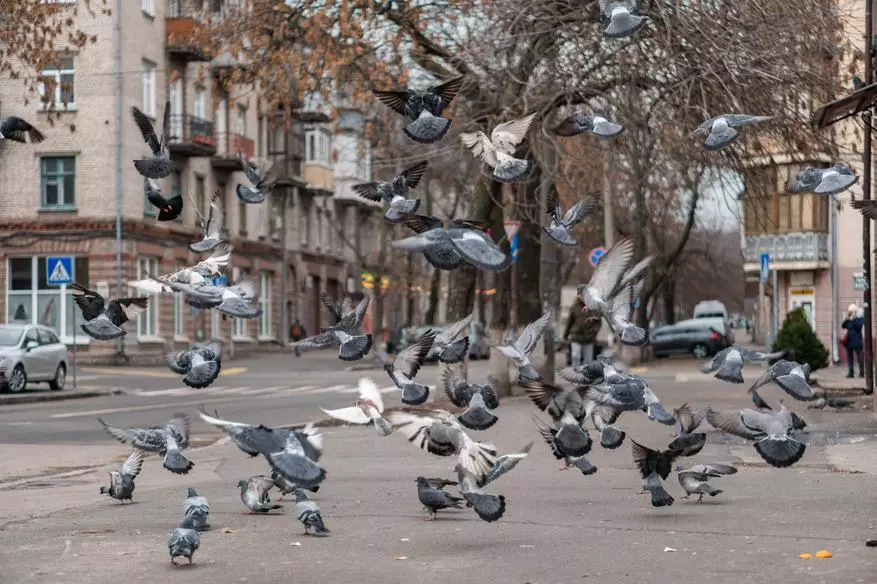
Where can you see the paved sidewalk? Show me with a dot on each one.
(834, 379)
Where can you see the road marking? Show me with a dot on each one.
(682, 378)
(150, 373)
(638, 370)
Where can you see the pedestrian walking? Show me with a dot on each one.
(581, 332)
(852, 338)
(297, 333)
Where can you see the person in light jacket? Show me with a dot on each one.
(853, 324)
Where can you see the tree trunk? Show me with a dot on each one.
(409, 297)
(526, 270)
(499, 322)
(670, 301)
(435, 281)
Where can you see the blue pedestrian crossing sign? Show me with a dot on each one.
(59, 270)
(765, 267)
(219, 280)
(595, 255)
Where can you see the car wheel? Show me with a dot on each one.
(700, 351)
(17, 380)
(57, 384)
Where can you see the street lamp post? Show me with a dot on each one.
(866, 195)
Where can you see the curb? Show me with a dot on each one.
(838, 389)
(32, 398)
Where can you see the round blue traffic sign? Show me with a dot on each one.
(595, 254)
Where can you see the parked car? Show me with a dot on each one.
(700, 337)
(31, 354)
(710, 309)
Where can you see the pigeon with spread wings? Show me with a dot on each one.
(562, 223)
(212, 225)
(262, 182)
(168, 209)
(17, 130)
(597, 293)
(405, 366)
(423, 108)
(446, 348)
(103, 320)
(196, 274)
(200, 365)
(654, 466)
(368, 408)
(519, 351)
(579, 123)
(728, 363)
(498, 151)
(478, 400)
(122, 481)
(346, 335)
(395, 192)
(465, 238)
(720, 131)
(168, 441)
(442, 256)
(823, 181)
(772, 432)
(159, 165)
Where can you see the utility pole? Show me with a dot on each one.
(549, 266)
(117, 65)
(608, 213)
(866, 195)
(284, 266)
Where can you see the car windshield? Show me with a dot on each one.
(9, 337)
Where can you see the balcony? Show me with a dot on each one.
(811, 247)
(191, 136)
(179, 34)
(287, 170)
(230, 147)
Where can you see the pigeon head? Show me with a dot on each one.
(388, 367)
(242, 485)
(421, 482)
(300, 495)
(104, 491)
(364, 404)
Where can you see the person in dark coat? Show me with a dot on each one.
(581, 332)
(853, 341)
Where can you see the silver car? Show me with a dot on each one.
(31, 353)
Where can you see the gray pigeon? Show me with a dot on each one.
(168, 441)
(772, 432)
(446, 348)
(583, 375)
(478, 400)
(346, 335)
(504, 464)
(603, 416)
(395, 192)
(464, 238)
(433, 498)
(184, 541)
(619, 318)
(262, 183)
(694, 479)
(687, 420)
(629, 393)
(498, 151)
(728, 363)
(423, 108)
(286, 487)
(720, 131)
(309, 514)
(791, 377)
(520, 350)
(442, 256)
(159, 165)
(17, 130)
(405, 366)
(368, 408)
(579, 123)
(554, 400)
(561, 450)
(833, 402)
(200, 365)
(597, 294)
(168, 209)
(235, 301)
(254, 494)
(823, 181)
(654, 466)
(489, 507)
(196, 507)
(620, 19)
(122, 480)
(212, 226)
(104, 320)
(561, 224)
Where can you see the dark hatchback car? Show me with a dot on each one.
(700, 337)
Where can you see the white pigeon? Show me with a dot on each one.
(498, 150)
(369, 407)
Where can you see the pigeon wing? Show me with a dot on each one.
(179, 362)
(506, 136)
(579, 211)
(572, 125)
(396, 100)
(541, 393)
(456, 388)
(448, 90)
(179, 424)
(260, 484)
(89, 302)
(612, 267)
(333, 307)
(368, 389)
(122, 310)
(451, 332)
(413, 174)
(151, 439)
(146, 129)
(730, 422)
(351, 415)
(409, 359)
(421, 223)
(526, 343)
(480, 145)
(866, 208)
(368, 191)
(132, 464)
(269, 178)
(215, 218)
(736, 120)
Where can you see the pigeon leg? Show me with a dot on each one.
(173, 563)
(190, 560)
(431, 516)
(700, 498)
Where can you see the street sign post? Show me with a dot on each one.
(59, 270)
(595, 254)
(511, 228)
(220, 280)
(859, 282)
(765, 267)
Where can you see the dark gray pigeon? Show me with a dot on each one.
(168, 441)
(346, 335)
(728, 363)
(478, 400)
(104, 320)
(561, 224)
(17, 130)
(791, 377)
(405, 366)
(184, 541)
(423, 108)
(823, 181)
(620, 19)
(694, 480)
(443, 256)
(562, 452)
(554, 400)
(168, 209)
(654, 466)
(489, 507)
(197, 507)
(519, 351)
(309, 514)
(464, 238)
(212, 225)
(579, 123)
(159, 165)
(569, 436)
(837, 403)
(772, 432)
(200, 365)
(721, 132)
(395, 192)
(433, 498)
(262, 183)
(498, 151)
(254, 494)
(286, 487)
(122, 480)
(446, 348)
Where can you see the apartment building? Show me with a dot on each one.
(60, 195)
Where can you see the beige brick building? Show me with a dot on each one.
(59, 196)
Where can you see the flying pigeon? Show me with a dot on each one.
(620, 19)
(423, 108)
(569, 441)
(197, 507)
(603, 416)
(583, 375)
(597, 294)
(212, 226)
(579, 123)
(292, 453)
(498, 151)
(823, 181)
(122, 480)
(309, 514)
(687, 420)
(336, 309)
(488, 507)
(866, 208)
(694, 479)
(196, 274)
(446, 348)
(103, 320)
(478, 400)
(728, 363)
(833, 402)
(159, 165)
(199, 365)
(368, 408)
(439, 433)
(466, 238)
(720, 131)
(636, 277)
(433, 498)
(395, 192)
(168, 441)
(184, 541)
(286, 487)
(16, 129)
(346, 335)
(520, 350)
(168, 209)
(561, 224)
(262, 183)
(791, 377)
(254, 494)
(772, 432)
(630, 393)
(405, 366)
(504, 464)
(619, 319)
(235, 301)
(554, 400)
(654, 466)
(442, 256)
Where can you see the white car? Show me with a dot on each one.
(31, 353)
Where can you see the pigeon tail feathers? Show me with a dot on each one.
(397, 211)
(102, 329)
(488, 507)
(660, 497)
(355, 348)
(414, 394)
(585, 465)
(154, 167)
(634, 336)
(248, 195)
(511, 169)
(427, 129)
(477, 418)
(175, 462)
(454, 352)
(780, 452)
(611, 437)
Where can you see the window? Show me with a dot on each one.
(304, 223)
(147, 77)
(148, 7)
(318, 232)
(241, 121)
(31, 300)
(318, 146)
(58, 182)
(179, 313)
(767, 211)
(267, 281)
(200, 199)
(240, 324)
(200, 103)
(147, 322)
(242, 219)
(174, 10)
(177, 189)
(57, 87)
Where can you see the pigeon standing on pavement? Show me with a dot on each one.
(773, 433)
(728, 363)
(561, 224)
(833, 402)
(254, 494)
(520, 350)
(368, 408)
(478, 400)
(654, 466)
(212, 225)
(184, 541)
(346, 335)
(196, 507)
(489, 507)
(309, 514)
(694, 480)
(18, 130)
(168, 441)
(433, 498)
(498, 151)
(579, 123)
(791, 377)
(720, 131)
(122, 480)
(405, 366)
(395, 192)
(262, 183)
(159, 165)
(103, 320)
(423, 108)
(446, 348)
(199, 365)
(168, 209)
(620, 19)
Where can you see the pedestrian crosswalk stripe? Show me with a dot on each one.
(345, 389)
